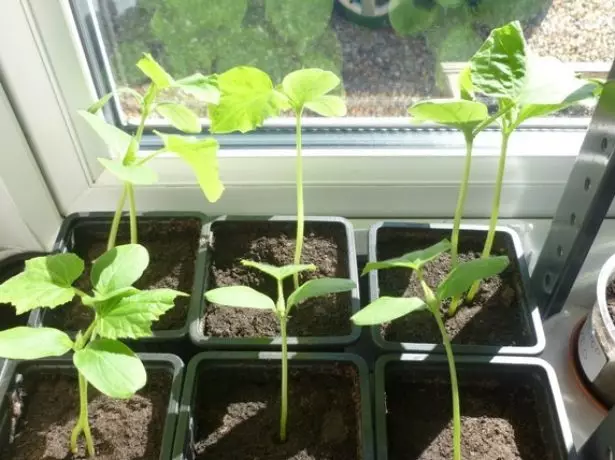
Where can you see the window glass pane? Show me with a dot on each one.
(388, 53)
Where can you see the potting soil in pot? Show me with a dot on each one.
(9, 319)
(495, 317)
(273, 242)
(46, 408)
(237, 414)
(610, 299)
(172, 245)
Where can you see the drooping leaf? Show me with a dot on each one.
(328, 106)
(279, 273)
(111, 367)
(119, 268)
(203, 87)
(45, 282)
(33, 343)
(155, 72)
(461, 114)
(319, 287)
(387, 309)
(202, 157)
(180, 116)
(413, 260)
(131, 315)
(116, 139)
(239, 296)
(134, 173)
(465, 274)
(308, 85)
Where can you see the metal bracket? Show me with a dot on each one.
(601, 444)
(586, 199)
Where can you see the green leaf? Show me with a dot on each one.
(328, 106)
(111, 367)
(100, 298)
(201, 86)
(319, 287)
(180, 116)
(239, 296)
(461, 114)
(202, 156)
(131, 315)
(465, 274)
(409, 17)
(308, 85)
(466, 89)
(413, 260)
(33, 343)
(387, 309)
(119, 268)
(134, 173)
(99, 104)
(155, 72)
(247, 98)
(116, 139)
(498, 68)
(279, 273)
(45, 282)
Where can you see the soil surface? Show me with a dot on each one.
(325, 245)
(238, 414)
(172, 245)
(610, 299)
(495, 317)
(500, 420)
(9, 319)
(46, 408)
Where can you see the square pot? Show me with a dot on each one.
(507, 404)
(170, 367)
(84, 232)
(271, 240)
(315, 398)
(493, 329)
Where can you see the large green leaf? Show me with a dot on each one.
(239, 296)
(119, 268)
(33, 343)
(203, 87)
(319, 287)
(116, 139)
(387, 309)
(202, 156)
(180, 117)
(308, 85)
(413, 260)
(155, 72)
(45, 282)
(134, 173)
(461, 114)
(131, 316)
(465, 274)
(111, 367)
(328, 106)
(247, 99)
(279, 273)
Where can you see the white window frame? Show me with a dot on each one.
(46, 75)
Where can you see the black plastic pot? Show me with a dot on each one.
(184, 437)
(512, 243)
(273, 343)
(153, 361)
(162, 340)
(524, 373)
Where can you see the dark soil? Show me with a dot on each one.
(238, 414)
(610, 299)
(500, 420)
(46, 408)
(172, 245)
(325, 245)
(495, 317)
(9, 319)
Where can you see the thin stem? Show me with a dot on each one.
(284, 388)
(300, 210)
(83, 424)
(115, 224)
(133, 213)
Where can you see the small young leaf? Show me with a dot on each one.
(135, 174)
(308, 85)
(239, 296)
(279, 273)
(328, 106)
(461, 114)
(387, 309)
(319, 287)
(100, 298)
(180, 116)
(116, 139)
(119, 268)
(202, 156)
(465, 274)
(33, 343)
(413, 260)
(99, 104)
(154, 71)
(45, 282)
(202, 87)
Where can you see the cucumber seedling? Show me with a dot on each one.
(457, 281)
(247, 297)
(121, 311)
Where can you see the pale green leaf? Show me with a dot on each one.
(111, 367)
(155, 72)
(413, 260)
(119, 268)
(180, 116)
(466, 89)
(100, 298)
(328, 106)
(279, 273)
(239, 296)
(308, 85)
(116, 139)
(33, 343)
(409, 17)
(202, 87)
(134, 173)
(319, 287)
(387, 309)
(465, 274)
(99, 104)
(461, 114)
